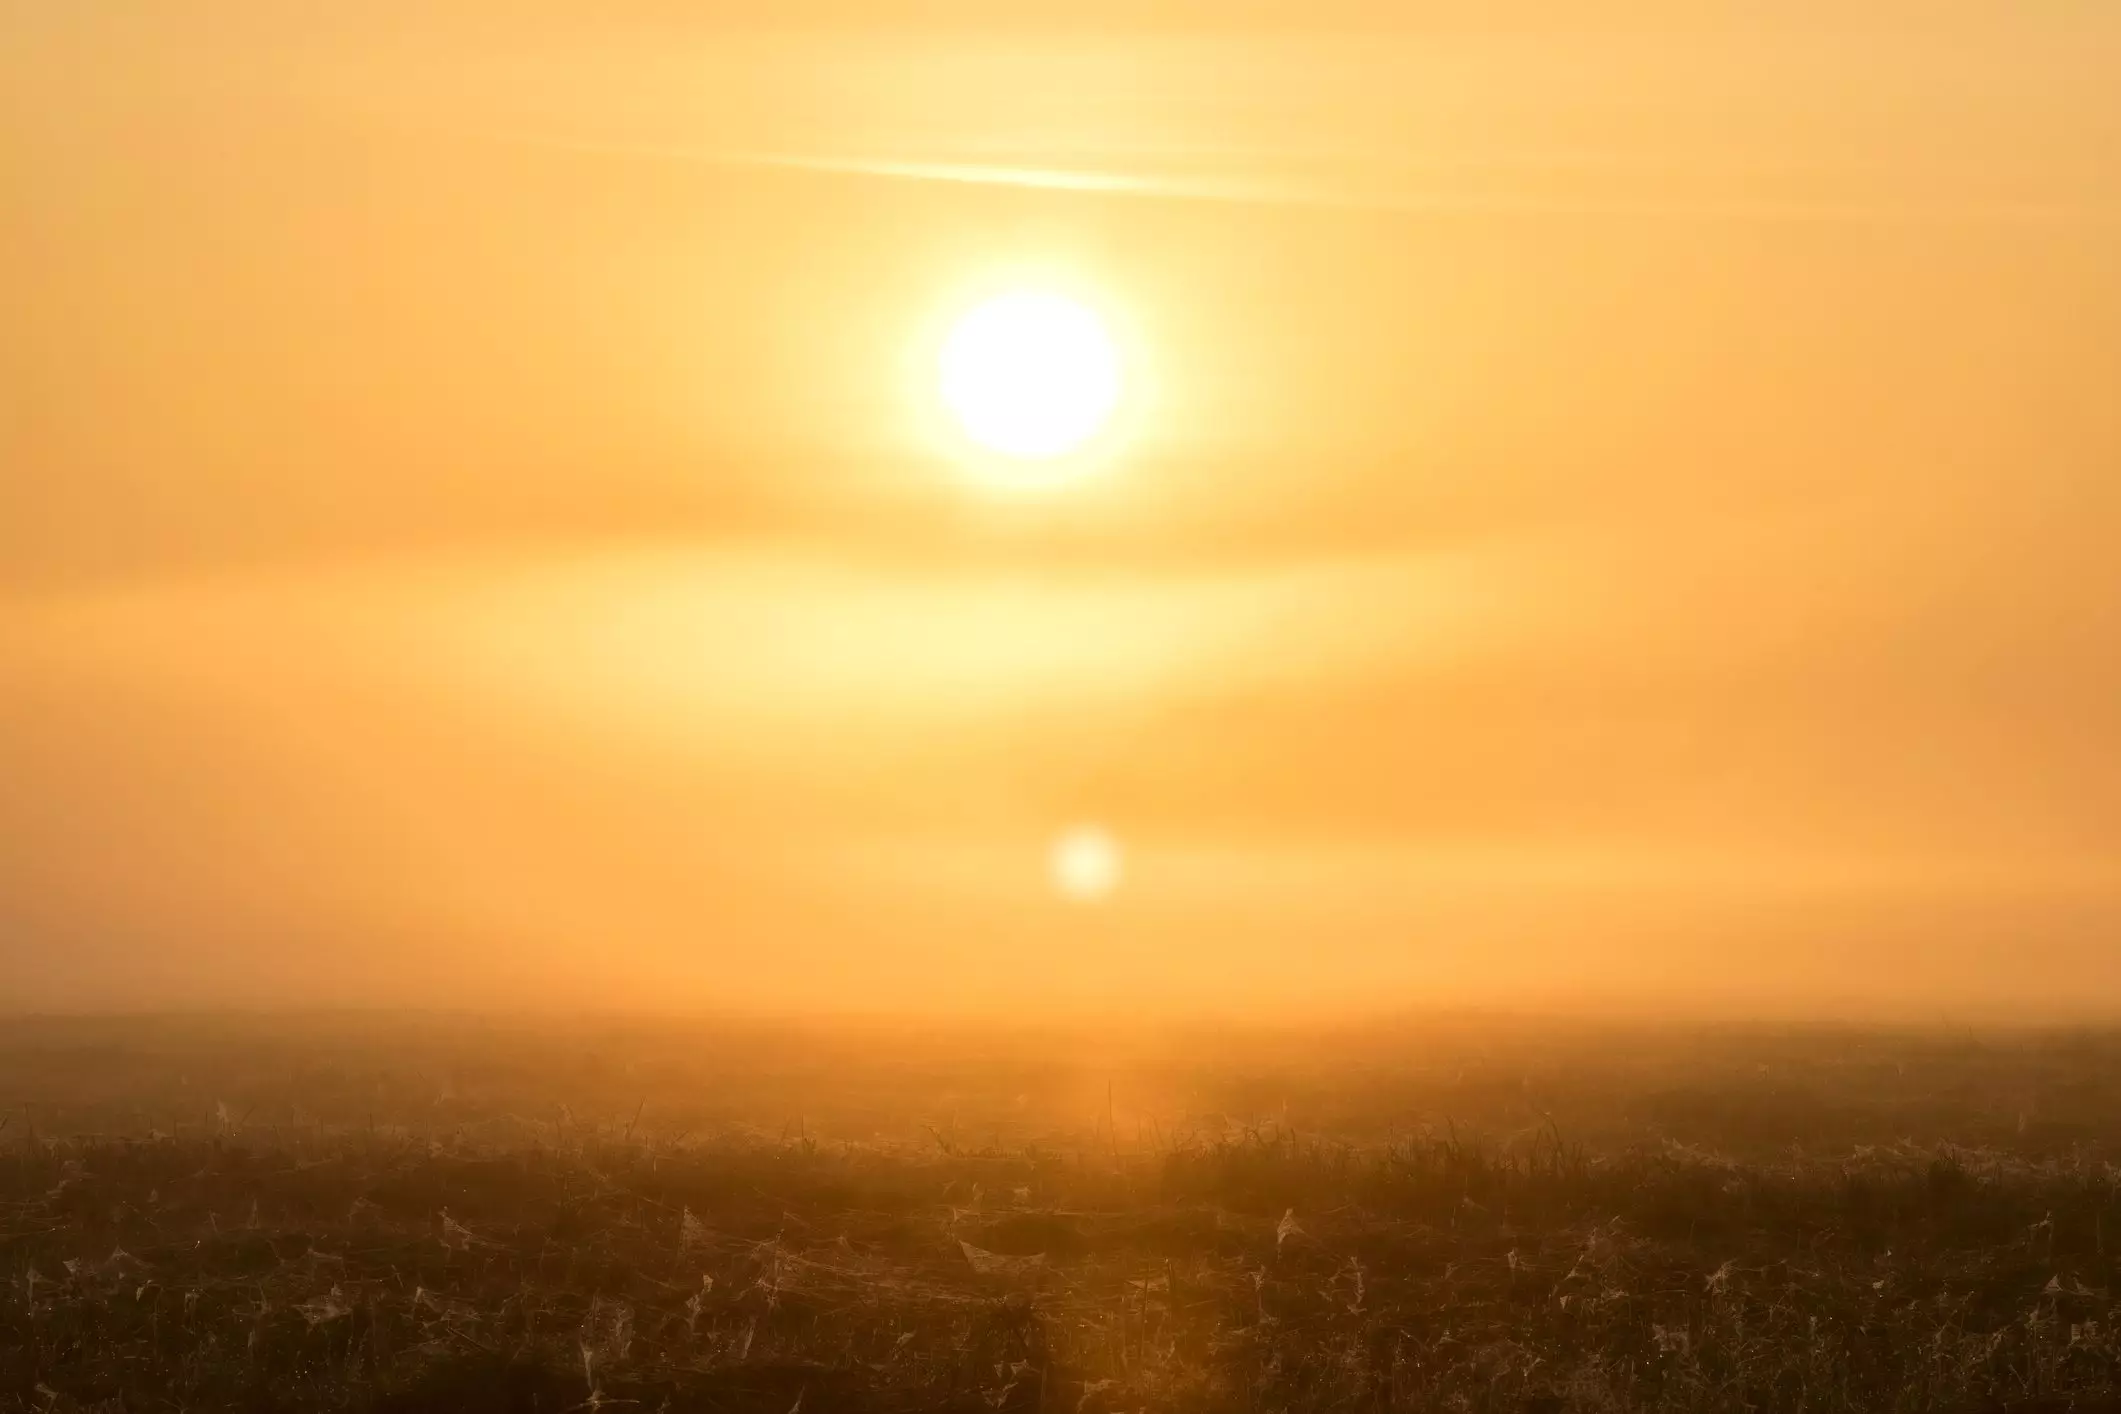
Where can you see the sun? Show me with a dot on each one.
(1031, 375)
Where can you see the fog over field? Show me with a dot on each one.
(926, 707)
(1451, 1212)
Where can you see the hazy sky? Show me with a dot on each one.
(1627, 512)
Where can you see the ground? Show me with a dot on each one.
(428, 1213)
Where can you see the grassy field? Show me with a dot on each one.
(1448, 1213)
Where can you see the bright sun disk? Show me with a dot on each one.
(1030, 374)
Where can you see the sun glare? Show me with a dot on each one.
(1031, 374)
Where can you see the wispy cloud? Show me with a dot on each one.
(1375, 188)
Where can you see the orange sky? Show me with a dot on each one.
(1627, 513)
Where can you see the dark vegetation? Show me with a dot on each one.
(429, 1215)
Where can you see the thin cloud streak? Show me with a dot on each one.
(1281, 193)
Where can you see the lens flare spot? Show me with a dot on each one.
(1086, 864)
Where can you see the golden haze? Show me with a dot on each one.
(1626, 515)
